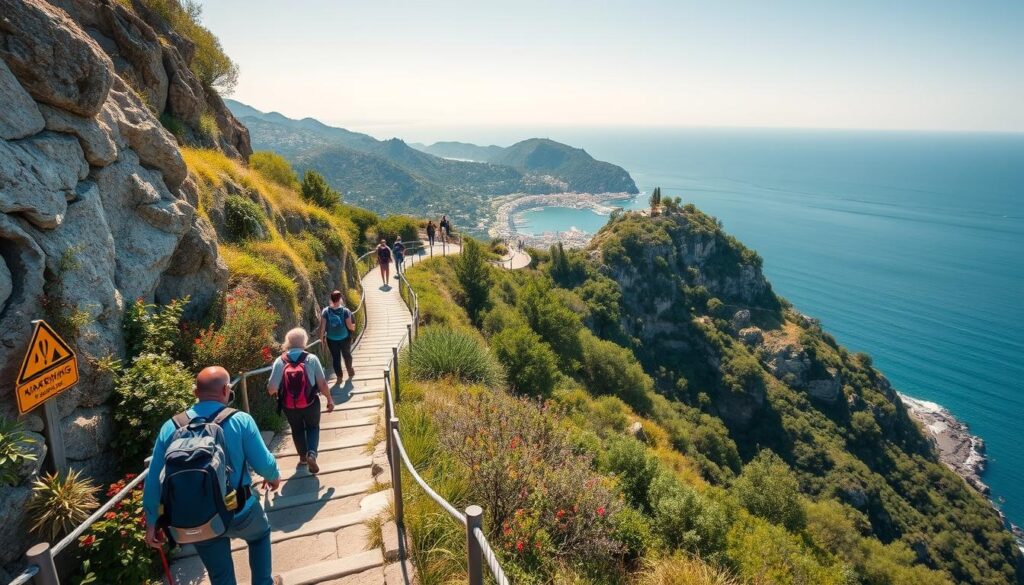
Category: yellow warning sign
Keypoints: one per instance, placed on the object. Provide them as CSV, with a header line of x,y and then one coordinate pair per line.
x,y
49,368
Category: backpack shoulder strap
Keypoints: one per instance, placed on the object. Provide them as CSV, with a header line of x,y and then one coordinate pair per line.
x,y
223,415
181,419
302,358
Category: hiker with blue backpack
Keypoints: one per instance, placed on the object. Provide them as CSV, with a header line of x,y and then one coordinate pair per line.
x,y
297,379
199,490
399,253
336,329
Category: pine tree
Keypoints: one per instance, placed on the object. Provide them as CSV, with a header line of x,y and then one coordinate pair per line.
x,y
316,190
473,273
655,201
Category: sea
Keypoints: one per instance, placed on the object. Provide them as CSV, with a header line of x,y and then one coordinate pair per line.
x,y
906,245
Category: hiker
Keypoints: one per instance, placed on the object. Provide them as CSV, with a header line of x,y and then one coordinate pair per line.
x,y
399,251
199,490
446,228
294,379
384,260
336,329
431,232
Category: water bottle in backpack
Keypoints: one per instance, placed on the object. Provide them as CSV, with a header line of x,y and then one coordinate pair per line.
x,y
197,501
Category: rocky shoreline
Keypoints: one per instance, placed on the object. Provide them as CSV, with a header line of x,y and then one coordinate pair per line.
x,y
961,451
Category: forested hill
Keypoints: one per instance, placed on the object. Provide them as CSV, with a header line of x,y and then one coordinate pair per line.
x,y
720,435
390,175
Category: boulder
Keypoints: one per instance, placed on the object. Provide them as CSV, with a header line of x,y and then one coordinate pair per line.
x,y
788,362
81,252
53,58
186,98
139,54
19,116
196,269
826,389
25,263
6,284
38,175
752,336
155,146
741,319
636,430
87,432
234,136
94,136
12,516
146,222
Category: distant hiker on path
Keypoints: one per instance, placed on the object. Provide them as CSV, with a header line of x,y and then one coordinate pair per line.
x,y
399,250
431,232
336,329
200,491
446,228
384,260
295,379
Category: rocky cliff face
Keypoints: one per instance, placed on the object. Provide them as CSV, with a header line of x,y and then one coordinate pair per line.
x,y
97,207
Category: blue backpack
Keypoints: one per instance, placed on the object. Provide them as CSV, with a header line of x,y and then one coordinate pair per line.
x,y
196,500
336,328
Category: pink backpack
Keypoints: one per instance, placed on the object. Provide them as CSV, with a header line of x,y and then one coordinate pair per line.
x,y
296,389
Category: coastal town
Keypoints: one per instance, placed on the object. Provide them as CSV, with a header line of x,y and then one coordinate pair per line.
x,y
508,208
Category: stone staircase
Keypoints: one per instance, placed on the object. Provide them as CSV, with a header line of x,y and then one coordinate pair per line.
x,y
322,525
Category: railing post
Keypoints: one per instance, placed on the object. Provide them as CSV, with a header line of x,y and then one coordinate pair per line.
x,y
244,396
394,354
396,471
41,556
474,520
387,412
408,329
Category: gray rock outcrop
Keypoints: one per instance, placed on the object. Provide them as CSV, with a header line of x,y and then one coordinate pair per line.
x,y
96,208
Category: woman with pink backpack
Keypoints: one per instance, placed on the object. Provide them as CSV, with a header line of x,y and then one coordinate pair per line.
x,y
295,379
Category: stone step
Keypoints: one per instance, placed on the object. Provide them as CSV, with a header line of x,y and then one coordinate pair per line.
x,y
359,569
292,473
288,460
284,447
315,483
347,424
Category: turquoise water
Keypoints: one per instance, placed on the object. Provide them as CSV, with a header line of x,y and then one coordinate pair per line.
x,y
558,219
909,246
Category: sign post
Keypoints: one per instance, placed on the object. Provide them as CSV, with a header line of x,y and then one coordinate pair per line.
x,y
49,368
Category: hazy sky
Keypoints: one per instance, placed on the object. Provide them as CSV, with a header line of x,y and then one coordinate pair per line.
x,y
928,64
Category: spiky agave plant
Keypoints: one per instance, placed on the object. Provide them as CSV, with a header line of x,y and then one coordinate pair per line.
x,y
61,502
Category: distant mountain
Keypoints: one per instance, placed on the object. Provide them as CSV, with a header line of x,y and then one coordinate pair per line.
x,y
461,150
392,176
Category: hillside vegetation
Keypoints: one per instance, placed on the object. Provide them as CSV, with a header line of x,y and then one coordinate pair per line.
x,y
664,417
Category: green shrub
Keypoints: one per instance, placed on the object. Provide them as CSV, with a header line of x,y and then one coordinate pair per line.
x,y
244,219
208,127
474,275
152,329
316,190
544,503
766,553
531,365
608,368
243,341
440,352
501,317
552,320
274,167
59,503
210,64
13,454
768,488
633,530
115,549
686,519
150,391
393,226
635,469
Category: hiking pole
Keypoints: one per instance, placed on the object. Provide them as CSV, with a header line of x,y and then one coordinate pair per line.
x,y
167,568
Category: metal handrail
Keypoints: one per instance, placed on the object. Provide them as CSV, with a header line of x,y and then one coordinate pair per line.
x,y
452,511
479,549
489,556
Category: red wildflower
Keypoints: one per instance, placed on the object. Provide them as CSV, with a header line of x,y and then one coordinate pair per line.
x,y
519,545
110,515
600,511
560,513
129,476
88,540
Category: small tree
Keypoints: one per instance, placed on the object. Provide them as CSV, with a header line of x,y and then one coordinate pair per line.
x,y
474,276
655,201
316,190
768,488
531,365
